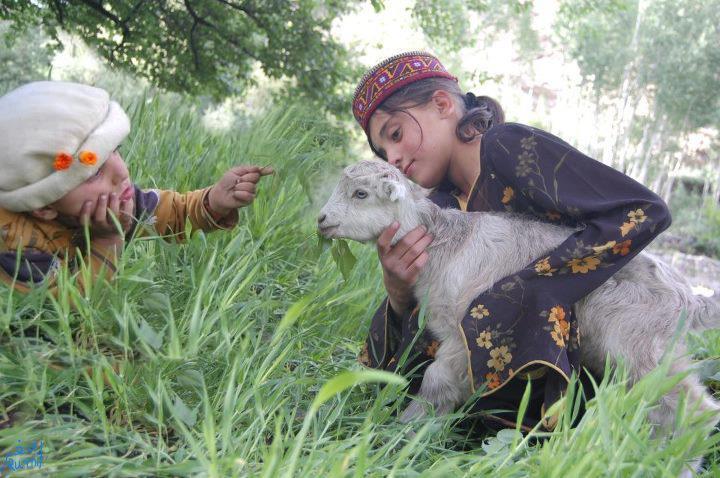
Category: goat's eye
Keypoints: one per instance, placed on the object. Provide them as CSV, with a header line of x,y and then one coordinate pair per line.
x,y
360,194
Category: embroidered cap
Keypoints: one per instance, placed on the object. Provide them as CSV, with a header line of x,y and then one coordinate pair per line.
x,y
388,76
53,136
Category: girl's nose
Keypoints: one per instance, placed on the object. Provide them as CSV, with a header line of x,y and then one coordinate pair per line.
x,y
394,158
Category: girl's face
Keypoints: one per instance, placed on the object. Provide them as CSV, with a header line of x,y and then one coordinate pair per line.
x,y
421,148
112,177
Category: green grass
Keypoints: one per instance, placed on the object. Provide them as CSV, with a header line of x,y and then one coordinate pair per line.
x,y
235,353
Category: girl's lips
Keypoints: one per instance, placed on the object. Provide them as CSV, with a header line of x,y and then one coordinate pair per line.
x,y
128,193
409,168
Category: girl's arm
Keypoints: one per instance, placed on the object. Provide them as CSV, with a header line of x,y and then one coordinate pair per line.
x,y
526,318
618,216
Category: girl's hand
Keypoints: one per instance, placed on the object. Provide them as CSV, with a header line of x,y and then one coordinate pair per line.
x,y
402,263
236,188
98,216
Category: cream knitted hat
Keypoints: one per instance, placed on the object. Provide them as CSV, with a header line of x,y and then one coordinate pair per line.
x,y
53,136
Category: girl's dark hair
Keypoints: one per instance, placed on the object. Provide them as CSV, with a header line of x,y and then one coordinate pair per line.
x,y
480,113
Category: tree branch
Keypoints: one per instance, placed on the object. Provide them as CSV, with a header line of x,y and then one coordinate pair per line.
x,y
193,45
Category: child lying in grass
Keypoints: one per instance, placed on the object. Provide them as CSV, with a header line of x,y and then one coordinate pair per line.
x,y
61,170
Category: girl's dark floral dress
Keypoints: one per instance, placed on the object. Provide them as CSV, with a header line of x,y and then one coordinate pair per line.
x,y
524,326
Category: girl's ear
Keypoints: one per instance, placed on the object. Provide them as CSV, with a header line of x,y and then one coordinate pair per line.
x,y
443,103
46,213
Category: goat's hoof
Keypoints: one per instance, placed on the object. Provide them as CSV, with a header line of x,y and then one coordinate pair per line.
x,y
414,411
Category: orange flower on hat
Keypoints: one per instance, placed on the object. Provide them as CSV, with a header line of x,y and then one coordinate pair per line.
x,y
88,158
62,161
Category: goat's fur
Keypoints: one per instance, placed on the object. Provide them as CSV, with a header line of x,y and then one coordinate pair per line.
x,y
633,316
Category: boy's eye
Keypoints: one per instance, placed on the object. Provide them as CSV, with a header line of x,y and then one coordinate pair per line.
x,y
94,176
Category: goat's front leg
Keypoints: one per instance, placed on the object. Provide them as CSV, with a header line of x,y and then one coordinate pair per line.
x,y
444,383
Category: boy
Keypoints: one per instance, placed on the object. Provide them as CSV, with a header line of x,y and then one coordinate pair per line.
x,y
61,170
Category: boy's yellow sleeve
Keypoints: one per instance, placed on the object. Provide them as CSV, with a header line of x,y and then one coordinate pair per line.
x,y
33,252
29,268
174,209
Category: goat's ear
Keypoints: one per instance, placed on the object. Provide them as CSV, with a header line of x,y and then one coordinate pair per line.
x,y
392,189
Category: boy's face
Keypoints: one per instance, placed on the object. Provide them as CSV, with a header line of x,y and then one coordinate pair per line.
x,y
112,177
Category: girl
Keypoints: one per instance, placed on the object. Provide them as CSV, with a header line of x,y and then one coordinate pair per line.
x,y
523,328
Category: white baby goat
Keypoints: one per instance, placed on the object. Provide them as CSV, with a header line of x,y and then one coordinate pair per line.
x,y
632,316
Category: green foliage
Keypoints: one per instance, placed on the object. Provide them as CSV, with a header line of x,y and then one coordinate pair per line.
x,y
204,47
447,24
684,73
24,56
697,220
597,35
674,60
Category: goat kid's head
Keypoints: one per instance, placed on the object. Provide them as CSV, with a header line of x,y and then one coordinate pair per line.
x,y
370,196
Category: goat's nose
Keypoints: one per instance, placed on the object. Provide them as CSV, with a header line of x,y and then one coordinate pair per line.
x,y
321,218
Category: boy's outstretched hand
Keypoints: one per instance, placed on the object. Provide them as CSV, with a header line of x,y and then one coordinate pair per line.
x,y
236,188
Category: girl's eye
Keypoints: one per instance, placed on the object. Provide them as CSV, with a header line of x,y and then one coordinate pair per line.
x,y
396,135
360,194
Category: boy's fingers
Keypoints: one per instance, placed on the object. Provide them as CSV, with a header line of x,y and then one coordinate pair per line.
x,y
240,170
100,214
249,187
85,213
248,178
260,170
243,196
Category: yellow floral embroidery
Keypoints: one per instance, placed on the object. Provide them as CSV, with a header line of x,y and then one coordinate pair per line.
x,y
637,216
479,311
604,247
553,215
499,357
583,265
626,227
561,328
493,380
543,268
508,194
483,340
623,248
557,313
431,349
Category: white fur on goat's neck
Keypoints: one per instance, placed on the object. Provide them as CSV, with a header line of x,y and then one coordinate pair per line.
x,y
411,213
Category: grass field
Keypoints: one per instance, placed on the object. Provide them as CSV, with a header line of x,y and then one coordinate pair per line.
x,y
234,354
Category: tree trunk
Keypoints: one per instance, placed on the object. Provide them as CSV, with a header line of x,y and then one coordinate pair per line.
x,y
621,112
